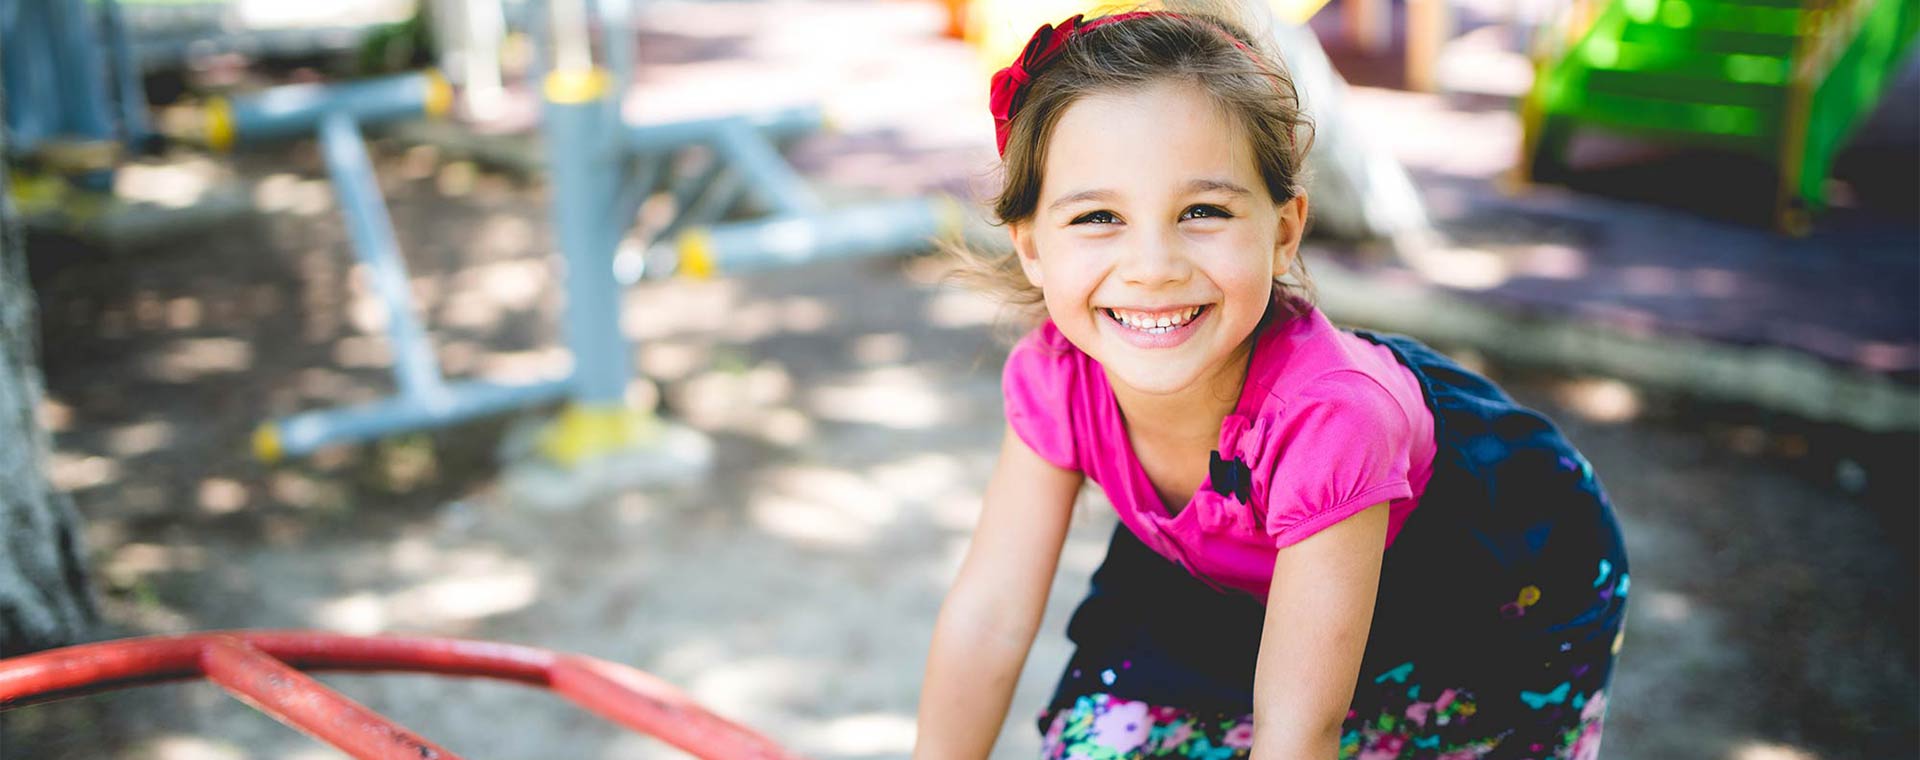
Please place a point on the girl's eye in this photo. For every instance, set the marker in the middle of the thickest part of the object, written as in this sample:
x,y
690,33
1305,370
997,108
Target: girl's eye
x,y
1094,217
1204,211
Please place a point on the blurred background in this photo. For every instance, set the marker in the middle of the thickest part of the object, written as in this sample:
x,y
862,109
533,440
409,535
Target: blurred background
x,y
614,328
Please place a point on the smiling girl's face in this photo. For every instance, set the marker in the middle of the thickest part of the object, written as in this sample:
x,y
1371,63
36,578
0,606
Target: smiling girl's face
x,y
1154,242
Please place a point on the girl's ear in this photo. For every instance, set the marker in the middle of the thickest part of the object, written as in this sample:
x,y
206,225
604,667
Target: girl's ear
x,y
1291,227
1023,247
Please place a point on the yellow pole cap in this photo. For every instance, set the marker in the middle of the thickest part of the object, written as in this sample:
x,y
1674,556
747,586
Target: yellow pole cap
x,y
266,443
219,124
576,86
583,431
439,94
696,254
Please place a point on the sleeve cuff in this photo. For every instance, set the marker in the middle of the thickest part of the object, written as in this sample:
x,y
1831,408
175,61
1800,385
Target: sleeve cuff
x,y
1046,453
1300,531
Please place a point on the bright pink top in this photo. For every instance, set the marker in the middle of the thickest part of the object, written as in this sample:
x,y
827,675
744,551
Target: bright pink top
x,y
1328,422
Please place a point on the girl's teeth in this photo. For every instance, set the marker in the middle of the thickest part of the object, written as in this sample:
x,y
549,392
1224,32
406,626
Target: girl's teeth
x,y
1152,324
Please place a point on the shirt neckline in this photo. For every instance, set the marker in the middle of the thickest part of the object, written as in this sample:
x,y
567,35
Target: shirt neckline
x,y
1259,363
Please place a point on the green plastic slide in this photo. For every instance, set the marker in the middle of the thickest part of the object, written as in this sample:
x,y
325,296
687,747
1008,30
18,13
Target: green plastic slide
x,y
1785,80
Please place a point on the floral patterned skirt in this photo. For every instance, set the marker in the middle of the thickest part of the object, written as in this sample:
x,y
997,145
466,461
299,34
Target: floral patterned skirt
x,y
1101,726
1501,608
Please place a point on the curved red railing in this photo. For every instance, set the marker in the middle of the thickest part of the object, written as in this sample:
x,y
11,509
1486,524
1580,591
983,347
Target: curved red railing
x,y
262,668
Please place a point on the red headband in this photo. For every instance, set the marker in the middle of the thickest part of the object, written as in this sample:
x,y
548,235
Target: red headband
x,y
1047,42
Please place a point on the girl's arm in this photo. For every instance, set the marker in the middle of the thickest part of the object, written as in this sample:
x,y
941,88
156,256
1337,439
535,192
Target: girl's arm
x,y
991,613
1318,614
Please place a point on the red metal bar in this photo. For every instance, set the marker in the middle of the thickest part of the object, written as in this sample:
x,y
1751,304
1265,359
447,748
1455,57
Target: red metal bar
x,y
76,671
419,654
293,698
653,707
622,694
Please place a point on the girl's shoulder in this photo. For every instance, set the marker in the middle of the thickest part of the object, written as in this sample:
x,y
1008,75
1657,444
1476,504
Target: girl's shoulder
x,y
1312,367
1042,384
1309,356
1044,361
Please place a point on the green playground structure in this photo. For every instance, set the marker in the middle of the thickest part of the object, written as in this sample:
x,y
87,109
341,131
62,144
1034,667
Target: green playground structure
x,y
1785,80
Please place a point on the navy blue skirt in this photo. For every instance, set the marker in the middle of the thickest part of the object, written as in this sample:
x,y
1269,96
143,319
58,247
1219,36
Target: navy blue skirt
x,y
1500,612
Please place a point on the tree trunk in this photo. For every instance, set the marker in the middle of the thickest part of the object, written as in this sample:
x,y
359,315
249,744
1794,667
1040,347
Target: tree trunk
x,y
45,600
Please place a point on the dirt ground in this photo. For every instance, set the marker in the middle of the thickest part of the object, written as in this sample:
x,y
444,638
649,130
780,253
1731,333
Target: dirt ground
x,y
854,408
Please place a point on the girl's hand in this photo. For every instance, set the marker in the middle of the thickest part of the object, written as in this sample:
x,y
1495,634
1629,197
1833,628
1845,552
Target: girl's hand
x,y
1319,612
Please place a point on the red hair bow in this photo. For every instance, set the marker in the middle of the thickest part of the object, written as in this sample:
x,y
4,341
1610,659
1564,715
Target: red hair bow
x,y
1047,42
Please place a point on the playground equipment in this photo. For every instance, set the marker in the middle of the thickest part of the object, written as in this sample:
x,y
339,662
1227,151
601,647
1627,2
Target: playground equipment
x,y
470,37
74,99
335,113
72,68
601,170
1784,80
1359,189
742,207
263,669
76,106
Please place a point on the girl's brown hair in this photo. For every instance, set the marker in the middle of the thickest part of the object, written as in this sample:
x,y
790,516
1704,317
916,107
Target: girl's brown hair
x,y
1205,44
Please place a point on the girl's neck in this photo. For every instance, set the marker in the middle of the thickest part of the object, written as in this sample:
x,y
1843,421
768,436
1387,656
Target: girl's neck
x,y
1192,414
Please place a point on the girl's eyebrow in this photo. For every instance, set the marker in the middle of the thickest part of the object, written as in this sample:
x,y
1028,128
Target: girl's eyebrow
x,y
1221,185
1193,186
1084,195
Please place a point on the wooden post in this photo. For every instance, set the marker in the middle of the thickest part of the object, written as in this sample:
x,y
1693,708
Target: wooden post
x,y
1429,24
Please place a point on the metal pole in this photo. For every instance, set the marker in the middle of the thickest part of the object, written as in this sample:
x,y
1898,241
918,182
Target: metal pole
x,y
770,178
294,698
83,81
844,232
776,125
134,128
296,109
584,171
304,433
617,692
33,90
371,231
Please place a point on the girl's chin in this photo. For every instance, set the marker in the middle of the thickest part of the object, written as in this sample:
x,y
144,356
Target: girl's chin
x,y
1155,380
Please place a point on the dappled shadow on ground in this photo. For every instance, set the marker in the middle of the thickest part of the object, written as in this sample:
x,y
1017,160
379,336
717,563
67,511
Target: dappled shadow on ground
x,y
855,410
1639,264
852,409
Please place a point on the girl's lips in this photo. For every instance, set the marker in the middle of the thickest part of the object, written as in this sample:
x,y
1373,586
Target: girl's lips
x,y
1174,336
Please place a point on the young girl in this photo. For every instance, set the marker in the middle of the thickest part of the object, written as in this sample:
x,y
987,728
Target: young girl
x,y
1332,544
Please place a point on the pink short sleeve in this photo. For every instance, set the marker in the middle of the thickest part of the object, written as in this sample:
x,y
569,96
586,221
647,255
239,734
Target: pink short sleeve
x,y
1038,383
1345,445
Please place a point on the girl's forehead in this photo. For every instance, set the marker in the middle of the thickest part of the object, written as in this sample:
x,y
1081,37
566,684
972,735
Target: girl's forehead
x,y
1144,137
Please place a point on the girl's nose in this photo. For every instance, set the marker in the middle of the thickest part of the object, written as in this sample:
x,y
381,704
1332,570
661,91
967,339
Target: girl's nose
x,y
1156,257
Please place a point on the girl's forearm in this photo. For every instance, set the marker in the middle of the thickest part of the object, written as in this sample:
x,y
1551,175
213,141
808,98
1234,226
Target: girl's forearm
x,y
972,669
1319,614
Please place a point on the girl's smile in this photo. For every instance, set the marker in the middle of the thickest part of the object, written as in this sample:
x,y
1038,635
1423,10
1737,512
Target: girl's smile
x,y
1155,328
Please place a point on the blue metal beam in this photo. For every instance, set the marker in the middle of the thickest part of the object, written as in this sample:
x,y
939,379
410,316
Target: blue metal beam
x,y
371,231
303,434
297,109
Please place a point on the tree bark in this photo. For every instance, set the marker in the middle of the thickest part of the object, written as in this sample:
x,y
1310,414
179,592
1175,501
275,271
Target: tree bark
x,y
45,599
